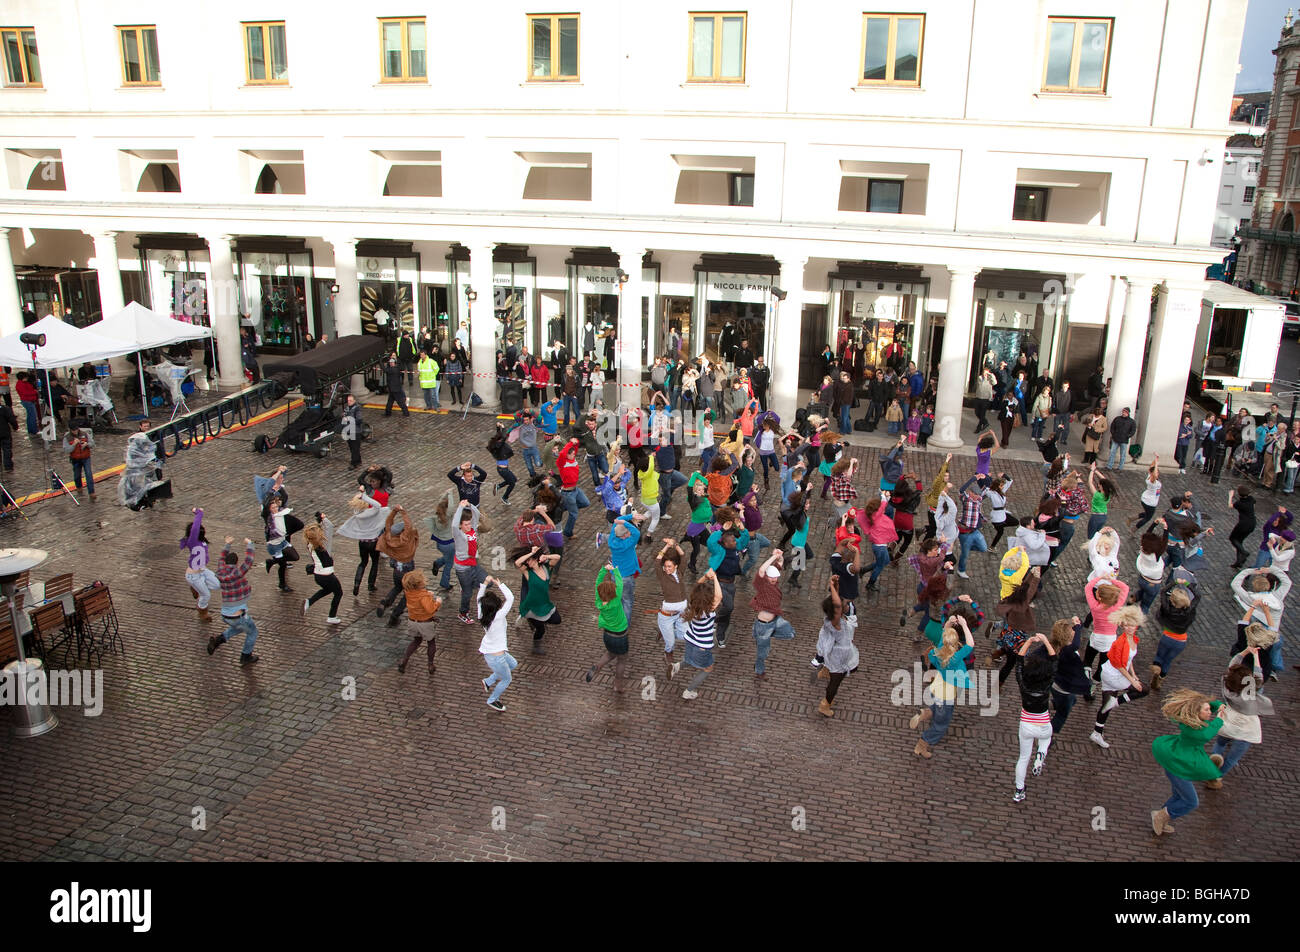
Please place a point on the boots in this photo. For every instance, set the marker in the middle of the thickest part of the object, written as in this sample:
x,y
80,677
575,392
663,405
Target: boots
x,y
823,674
1160,822
410,650
825,709
919,721
922,749
205,615
794,578
1156,677
433,646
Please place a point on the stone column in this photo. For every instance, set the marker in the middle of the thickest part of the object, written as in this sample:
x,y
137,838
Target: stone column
x,y
1127,380
954,359
782,354
11,308
629,344
1164,386
482,326
109,269
224,303
347,304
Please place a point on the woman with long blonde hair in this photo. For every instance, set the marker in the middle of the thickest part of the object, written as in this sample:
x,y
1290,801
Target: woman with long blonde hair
x,y
1103,553
1182,756
1119,682
320,538
949,662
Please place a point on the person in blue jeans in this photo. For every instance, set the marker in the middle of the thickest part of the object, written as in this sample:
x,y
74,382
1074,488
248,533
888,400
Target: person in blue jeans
x,y
969,522
573,499
1241,730
493,614
77,444
1182,756
769,623
236,590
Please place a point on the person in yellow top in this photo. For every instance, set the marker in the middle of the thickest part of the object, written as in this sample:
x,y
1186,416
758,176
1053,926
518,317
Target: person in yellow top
x,y
421,606
733,444
1011,572
647,474
428,370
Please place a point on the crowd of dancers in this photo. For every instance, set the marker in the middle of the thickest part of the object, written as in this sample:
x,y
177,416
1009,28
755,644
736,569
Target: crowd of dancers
x,y
635,463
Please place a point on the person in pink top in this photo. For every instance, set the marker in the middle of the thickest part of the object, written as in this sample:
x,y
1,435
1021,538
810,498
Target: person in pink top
x,y
746,420
878,524
1105,595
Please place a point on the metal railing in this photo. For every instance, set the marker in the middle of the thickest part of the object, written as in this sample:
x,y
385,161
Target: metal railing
x,y
198,426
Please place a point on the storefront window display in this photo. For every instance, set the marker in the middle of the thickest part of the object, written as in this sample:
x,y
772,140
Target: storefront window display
x,y
273,286
176,272
388,301
512,303
1009,323
880,317
733,308
597,310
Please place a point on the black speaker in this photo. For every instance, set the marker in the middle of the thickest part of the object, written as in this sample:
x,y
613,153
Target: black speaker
x,y
512,396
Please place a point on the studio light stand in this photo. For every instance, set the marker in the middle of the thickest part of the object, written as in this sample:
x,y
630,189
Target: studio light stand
x,y
49,433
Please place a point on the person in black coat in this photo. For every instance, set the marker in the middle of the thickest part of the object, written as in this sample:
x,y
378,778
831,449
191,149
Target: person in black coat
x,y
396,390
8,425
760,376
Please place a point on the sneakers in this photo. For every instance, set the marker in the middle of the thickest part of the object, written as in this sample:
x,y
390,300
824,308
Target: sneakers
x,y
487,688
247,659
815,663
1019,795
496,705
672,672
721,643
962,574
333,621
306,604
464,616
600,539
1097,739
1110,705
689,695
1037,769
664,515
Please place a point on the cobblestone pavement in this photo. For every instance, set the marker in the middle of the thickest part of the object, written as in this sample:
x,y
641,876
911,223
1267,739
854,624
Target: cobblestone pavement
x,y
417,767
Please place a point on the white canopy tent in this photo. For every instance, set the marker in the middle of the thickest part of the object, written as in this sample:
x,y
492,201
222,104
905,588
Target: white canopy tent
x,y
65,346
144,329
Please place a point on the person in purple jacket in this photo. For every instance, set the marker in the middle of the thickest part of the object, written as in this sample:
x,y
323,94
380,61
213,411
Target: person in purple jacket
x,y
202,580
1279,524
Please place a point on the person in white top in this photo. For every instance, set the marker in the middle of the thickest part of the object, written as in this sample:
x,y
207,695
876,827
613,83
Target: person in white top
x,y
1150,496
1273,595
493,612
996,493
945,520
1103,553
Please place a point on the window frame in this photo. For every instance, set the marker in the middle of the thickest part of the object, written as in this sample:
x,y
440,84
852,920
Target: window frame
x,y
1248,194
891,50
266,53
873,182
718,17
556,52
138,30
1047,197
406,51
18,32
1073,87
735,189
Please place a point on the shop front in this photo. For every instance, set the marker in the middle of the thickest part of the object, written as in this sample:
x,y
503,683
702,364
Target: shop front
x,y
879,309
274,277
733,305
68,293
388,274
514,281
596,292
176,272
1014,315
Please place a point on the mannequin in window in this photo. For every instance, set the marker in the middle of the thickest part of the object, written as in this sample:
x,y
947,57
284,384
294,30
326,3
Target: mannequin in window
x,y
729,338
854,361
588,339
556,329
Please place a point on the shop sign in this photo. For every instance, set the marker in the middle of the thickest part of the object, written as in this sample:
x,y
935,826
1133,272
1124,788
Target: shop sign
x,y
746,288
878,307
597,280
1006,316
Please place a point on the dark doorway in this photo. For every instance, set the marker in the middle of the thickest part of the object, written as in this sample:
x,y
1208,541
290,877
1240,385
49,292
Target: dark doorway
x,y
1082,355
811,344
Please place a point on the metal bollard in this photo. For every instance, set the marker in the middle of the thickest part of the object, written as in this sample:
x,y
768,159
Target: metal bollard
x,y
30,719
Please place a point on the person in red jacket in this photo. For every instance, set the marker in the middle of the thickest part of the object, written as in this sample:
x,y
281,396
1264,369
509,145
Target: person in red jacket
x,y
540,377
570,494
30,400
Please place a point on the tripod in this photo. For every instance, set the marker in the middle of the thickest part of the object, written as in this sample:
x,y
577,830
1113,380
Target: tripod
x,y
9,505
57,484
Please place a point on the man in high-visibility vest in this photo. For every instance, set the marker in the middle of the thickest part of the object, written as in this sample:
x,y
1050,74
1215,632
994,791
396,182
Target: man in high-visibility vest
x,y
428,369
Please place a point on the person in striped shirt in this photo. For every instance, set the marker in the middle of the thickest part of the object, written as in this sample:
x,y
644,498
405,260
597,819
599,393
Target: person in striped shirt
x,y
701,620
1035,672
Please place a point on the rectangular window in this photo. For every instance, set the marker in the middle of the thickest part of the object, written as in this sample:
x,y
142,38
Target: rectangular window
x,y
22,62
1078,55
267,59
742,188
139,47
1245,223
1030,204
891,49
885,195
1248,194
402,50
717,53
553,47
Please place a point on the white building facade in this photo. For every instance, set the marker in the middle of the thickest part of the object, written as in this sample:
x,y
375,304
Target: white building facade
x,y
960,177
1237,185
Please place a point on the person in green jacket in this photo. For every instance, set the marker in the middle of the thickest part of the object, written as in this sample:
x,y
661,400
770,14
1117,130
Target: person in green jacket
x,y
613,624
428,370
1183,756
701,515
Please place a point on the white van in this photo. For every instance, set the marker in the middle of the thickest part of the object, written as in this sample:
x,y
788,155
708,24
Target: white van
x,y
1236,343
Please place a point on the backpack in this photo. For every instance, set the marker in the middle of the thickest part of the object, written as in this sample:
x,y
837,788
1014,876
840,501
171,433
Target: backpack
x,y
262,444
